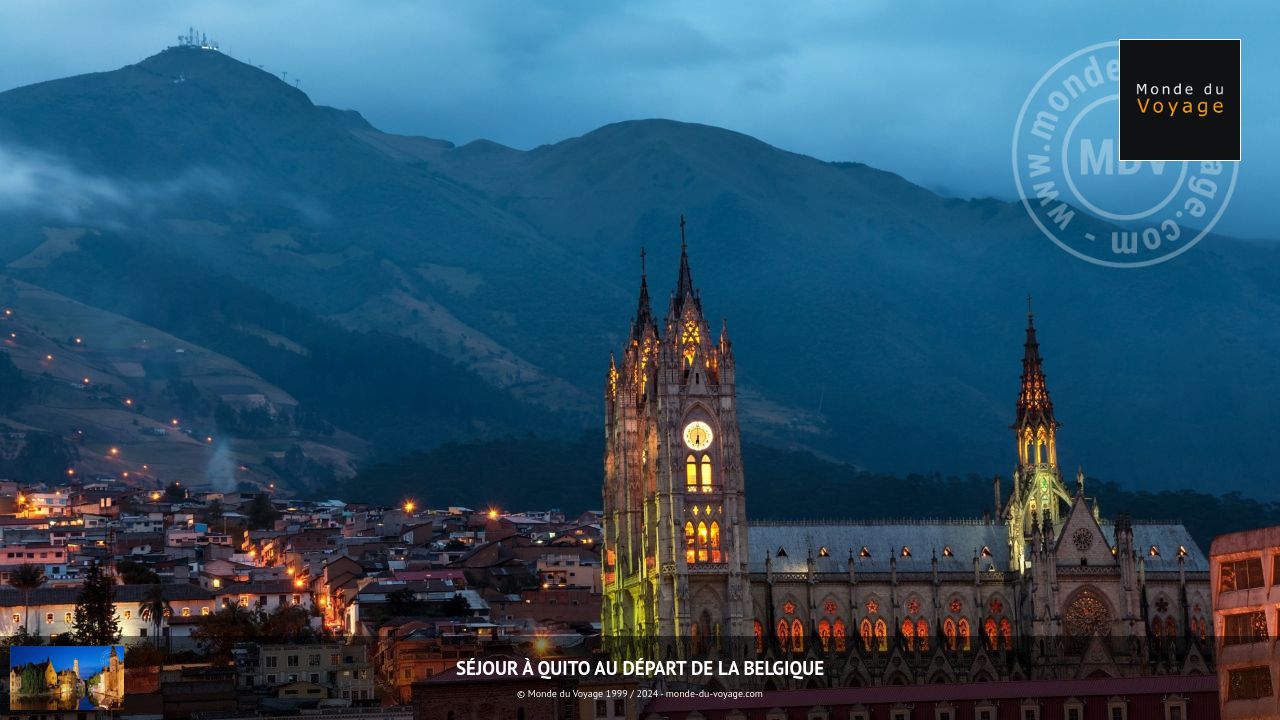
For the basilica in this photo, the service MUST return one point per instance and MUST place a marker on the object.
(1048, 587)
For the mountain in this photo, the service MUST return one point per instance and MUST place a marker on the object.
(875, 322)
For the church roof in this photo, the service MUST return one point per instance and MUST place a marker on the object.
(1166, 538)
(882, 540)
(798, 540)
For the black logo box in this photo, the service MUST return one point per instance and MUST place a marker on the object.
(1184, 65)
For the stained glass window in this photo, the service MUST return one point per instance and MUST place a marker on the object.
(837, 629)
(991, 633)
(706, 473)
(882, 635)
(824, 635)
(715, 542)
(691, 473)
(922, 635)
(702, 542)
(1006, 632)
(864, 631)
(1087, 615)
(797, 636)
(949, 631)
(965, 644)
(909, 635)
(784, 633)
(689, 538)
(759, 632)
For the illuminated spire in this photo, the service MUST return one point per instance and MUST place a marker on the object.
(644, 312)
(1034, 405)
(684, 284)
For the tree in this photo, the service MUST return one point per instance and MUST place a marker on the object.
(135, 573)
(214, 511)
(27, 577)
(219, 632)
(155, 609)
(262, 514)
(94, 621)
(173, 493)
(287, 624)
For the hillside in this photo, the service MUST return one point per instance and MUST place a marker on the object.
(874, 322)
(142, 405)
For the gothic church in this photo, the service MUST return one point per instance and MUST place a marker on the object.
(1047, 588)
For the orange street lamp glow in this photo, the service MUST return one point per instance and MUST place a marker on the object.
(128, 401)
(299, 582)
(493, 514)
(48, 357)
(155, 496)
(409, 505)
(71, 471)
(85, 380)
(290, 570)
(115, 451)
(174, 422)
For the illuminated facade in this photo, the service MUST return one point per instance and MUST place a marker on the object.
(1046, 587)
(675, 563)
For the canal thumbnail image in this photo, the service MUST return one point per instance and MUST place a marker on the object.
(70, 677)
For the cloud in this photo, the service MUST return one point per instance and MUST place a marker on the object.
(39, 183)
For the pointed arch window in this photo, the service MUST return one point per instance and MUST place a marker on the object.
(965, 643)
(864, 631)
(909, 634)
(882, 635)
(949, 632)
(1006, 633)
(922, 635)
(706, 474)
(991, 633)
(837, 631)
(695, 641)
(702, 542)
(690, 552)
(1170, 628)
(784, 633)
(797, 636)
(824, 635)
(691, 473)
(758, 629)
(715, 542)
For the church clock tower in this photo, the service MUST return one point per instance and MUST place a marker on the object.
(1039, 496)
(675, 575)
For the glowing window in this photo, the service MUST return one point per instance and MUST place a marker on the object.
(837, 629)
(784, 633)
(991, 633)
(689, 550)
(706, 473)
(882, 635)
(759, 632)
(922, 635)
(691, 473)
(186, 612)
(702, 542)
(797, 636)
(1006, 633)
(824, 635)
(864, 552)
(715, 542)
(949, 630)
(909, 634)
(964, 635)
(864, 631)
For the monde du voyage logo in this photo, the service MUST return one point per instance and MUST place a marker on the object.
(1125, 153)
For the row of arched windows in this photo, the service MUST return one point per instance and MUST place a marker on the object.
(697, 474)
(915, 634)
(702, 543)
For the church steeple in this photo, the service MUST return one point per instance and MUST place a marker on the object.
(644, 309)
(685, 295)
(1034, 404)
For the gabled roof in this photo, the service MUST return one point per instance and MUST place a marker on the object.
(883, 540)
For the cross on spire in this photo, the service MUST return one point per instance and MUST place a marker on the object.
(682, 243)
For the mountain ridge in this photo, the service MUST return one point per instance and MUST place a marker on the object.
(875, 321)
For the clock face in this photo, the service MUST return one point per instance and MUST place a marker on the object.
(697, 435)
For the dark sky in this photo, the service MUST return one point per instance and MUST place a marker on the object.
(926, 89)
